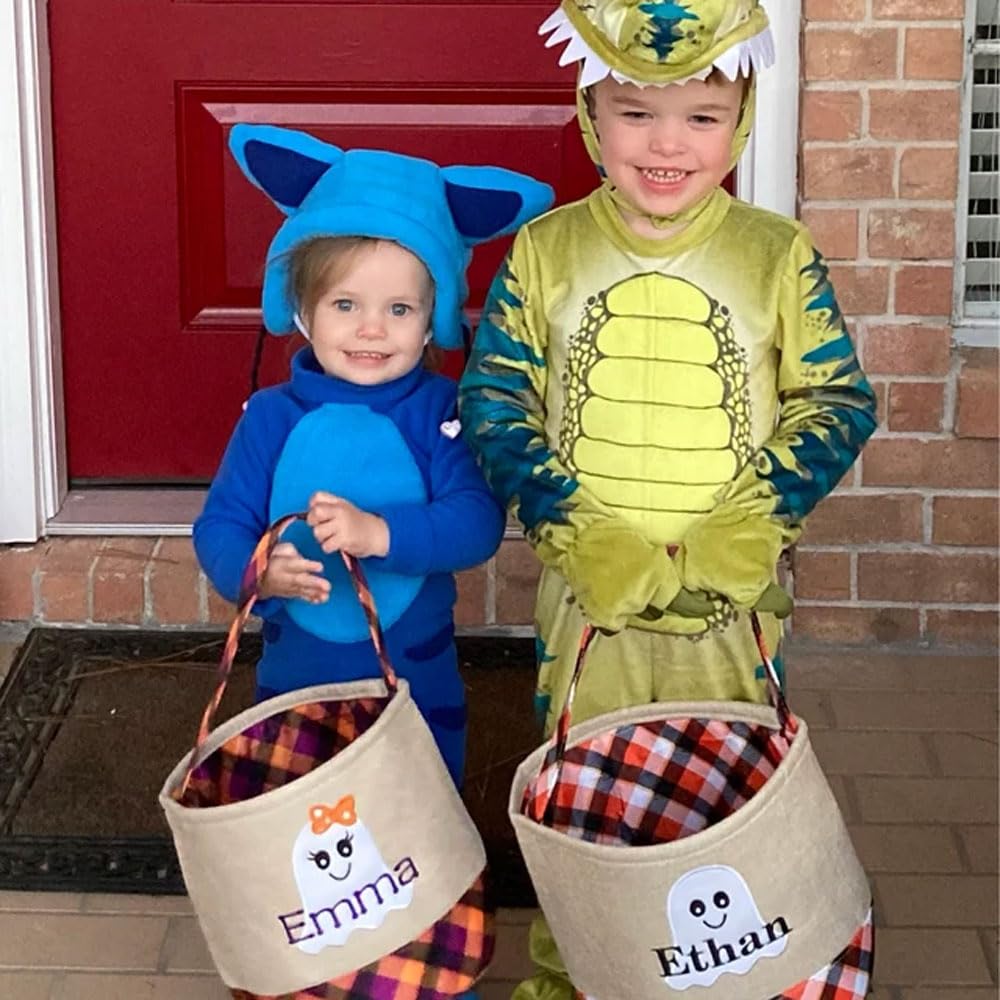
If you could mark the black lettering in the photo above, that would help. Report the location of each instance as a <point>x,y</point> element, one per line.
<point>718,951</point>
<point>785,929</point>
<point>696,959</point>
<point>668,961</point>
<point>750,943</point>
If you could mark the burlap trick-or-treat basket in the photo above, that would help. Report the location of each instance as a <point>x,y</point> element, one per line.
<point>325,848</point>
<point>680,845</point>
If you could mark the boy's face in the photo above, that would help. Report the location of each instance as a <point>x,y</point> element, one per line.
<point>666,148</point>
<point>370,325</point>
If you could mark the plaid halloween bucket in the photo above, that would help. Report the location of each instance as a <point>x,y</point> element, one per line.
<point>680,845</point>
<point>324,846</point>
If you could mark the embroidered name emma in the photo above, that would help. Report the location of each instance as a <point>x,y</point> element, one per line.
<point>352,909</point>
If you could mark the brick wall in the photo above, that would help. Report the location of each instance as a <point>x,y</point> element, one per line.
<point>905,550</point>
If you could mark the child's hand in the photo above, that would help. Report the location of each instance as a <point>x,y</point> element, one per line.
<point>290,575</point>
<point>339,526</point>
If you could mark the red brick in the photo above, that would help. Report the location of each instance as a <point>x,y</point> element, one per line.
<point>847,174</point>
<point>914,114</point>
<point>834,10</point>
<point>846,519</point>
<point>881,405</point>
<point>822,576</point>
<point>907,350</point>
<point>176,593</point>
<point>927,577</point>
<point>834,231</point>
<point>139,547</point>
<point>177,551</point>
<point>924,290</point>
<point>916,406</point>
<point>911,234</point>
<point>470,608</point>
<point>966,627</point>
<point>978,401</point>
<point>864,54</point>
<point>118,590</point>
<point>64,595</point>
<point>861,290</point>
<point>517,570</point>
<point>831,115</point>
<point>72,555</point>
<point>966,521</point>
<point>220,611</point>
<point>839,624</point>
<point>929,173</point>
<point>934,54</point>
<point>17,591</point>
<point>918,10</point>
<point>951,464</point>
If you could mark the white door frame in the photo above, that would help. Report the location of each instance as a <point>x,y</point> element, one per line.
<point>33,480</point>
<point>32,445</point>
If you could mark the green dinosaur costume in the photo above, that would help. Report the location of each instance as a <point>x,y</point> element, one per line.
<point>660,415</point>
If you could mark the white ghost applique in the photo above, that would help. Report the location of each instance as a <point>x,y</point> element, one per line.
<point>342,879</point>
<point>716,928</point>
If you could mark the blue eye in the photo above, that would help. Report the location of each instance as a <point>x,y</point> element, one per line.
<point>399,309</point>
<point>343,305</point>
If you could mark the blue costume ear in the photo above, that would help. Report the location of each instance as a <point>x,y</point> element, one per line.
<point>283,163</point>
<point>487,202</point>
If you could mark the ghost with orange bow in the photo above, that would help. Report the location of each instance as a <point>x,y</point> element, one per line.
<point>342,878</point>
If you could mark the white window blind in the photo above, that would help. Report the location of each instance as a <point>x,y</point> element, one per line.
<point>980,293</point>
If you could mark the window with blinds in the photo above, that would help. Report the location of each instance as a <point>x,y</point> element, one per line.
<point>980,294</point>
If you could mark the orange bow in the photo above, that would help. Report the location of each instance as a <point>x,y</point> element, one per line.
<point>323,817</point>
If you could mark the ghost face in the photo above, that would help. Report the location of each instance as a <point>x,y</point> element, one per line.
<point>342,878</point>
<point>716,928</point>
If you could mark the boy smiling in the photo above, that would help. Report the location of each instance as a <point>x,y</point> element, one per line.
<point>662,385</point>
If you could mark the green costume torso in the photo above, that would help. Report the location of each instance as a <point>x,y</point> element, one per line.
<point>615,377</point>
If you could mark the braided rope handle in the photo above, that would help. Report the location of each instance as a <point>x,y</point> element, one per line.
<point>249,593</point>
<point>789,724</point>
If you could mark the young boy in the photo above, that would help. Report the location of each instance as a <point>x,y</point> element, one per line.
<point>370,266</point>
<point>662,385</point>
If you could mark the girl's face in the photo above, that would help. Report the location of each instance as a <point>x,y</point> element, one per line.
<point>370,325</point>
<point>666,148</point>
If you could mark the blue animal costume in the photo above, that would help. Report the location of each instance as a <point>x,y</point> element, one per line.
<point>391,449</point>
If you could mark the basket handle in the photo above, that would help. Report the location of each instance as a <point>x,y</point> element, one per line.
<point>248,595</point>
<point>789,724</point>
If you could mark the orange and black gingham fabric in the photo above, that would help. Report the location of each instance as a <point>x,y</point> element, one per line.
<point>655,782</point>
<point>445,961</point>
<point>847,977</point>
<point>279,749</point>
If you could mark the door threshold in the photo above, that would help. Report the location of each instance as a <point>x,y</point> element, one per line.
<point>127,511</point>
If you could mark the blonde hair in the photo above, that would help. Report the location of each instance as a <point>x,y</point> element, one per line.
<point>316,264</point>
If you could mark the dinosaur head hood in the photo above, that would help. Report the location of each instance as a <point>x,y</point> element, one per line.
<point>658,43</point>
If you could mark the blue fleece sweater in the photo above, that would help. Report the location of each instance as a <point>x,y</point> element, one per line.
<point>458,526</point>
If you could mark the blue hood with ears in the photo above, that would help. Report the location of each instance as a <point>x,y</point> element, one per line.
<point>437,213</point>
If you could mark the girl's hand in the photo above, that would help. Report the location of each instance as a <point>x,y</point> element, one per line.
<point>290,575</point>
<point>339,526</point>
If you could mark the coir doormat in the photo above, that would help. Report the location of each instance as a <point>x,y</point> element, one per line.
<point>91,722</point>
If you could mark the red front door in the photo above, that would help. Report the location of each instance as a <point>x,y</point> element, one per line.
<point>162,240</point>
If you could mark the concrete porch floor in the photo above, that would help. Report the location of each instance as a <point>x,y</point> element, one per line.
<point>908,741</point>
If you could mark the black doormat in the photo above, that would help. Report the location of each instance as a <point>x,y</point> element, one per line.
<point>91,723</point>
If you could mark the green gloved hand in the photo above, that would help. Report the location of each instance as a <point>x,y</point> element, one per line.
<point>733,553</point>
<point>616,573</point>
<point>775,601</point>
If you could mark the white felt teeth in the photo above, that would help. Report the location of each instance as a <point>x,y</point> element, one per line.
<point>756,53</point>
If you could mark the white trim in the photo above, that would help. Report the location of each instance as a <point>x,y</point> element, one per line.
<point>32,450</point>
<point>768,169</point>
